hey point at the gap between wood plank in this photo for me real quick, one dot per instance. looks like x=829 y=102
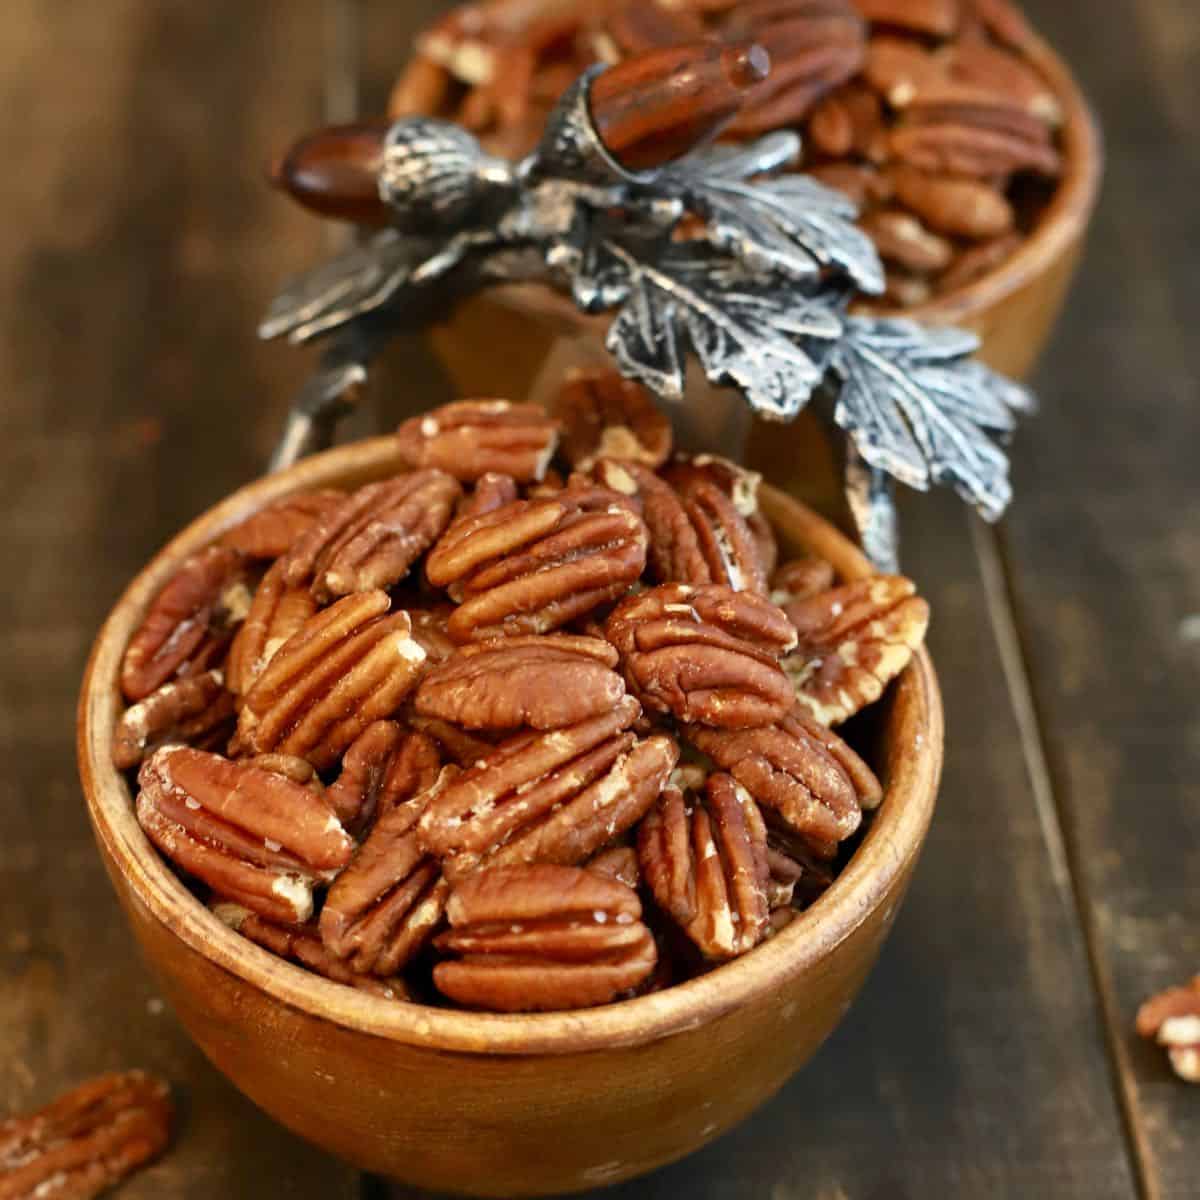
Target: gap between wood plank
x=997 y=573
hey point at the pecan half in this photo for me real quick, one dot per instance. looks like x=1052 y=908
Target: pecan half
x=1172 y=1018
x=543 y=682
x=966 y=208
x=534 y=565
x=372 y=538
x=491 y=491
x=470 y=438
x=383 y=908
x=937 y=18
x=849 y=121
x=271 y=531
x=460 y=747
x=541 y=938
x=853 y=641
x=976 y=140
x=304 y=946
x=253 y=835
x=87 y=1140
x=903 y=241
x=705 y=654
x=187 y=627
x=706 y=865
x=276 y=612
x=550 y=797
x=383 y=768
x=808 y=778
x=347 y=666
x=799 y=578
x=621 y=862
x=605 y=415
x=196 y=708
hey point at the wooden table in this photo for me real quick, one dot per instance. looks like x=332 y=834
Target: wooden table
x=991 y=1053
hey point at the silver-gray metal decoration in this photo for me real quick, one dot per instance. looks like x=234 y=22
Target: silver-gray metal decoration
x=758 y=292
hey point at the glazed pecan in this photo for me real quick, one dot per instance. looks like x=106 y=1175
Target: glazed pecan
x=959 y=207
x=253 y=835
x=87 y=1140
x=372 y=538
x=196 y=709
x=800 y=578
x=705 y=654
x=538 y=938
x=271 y=531
x=383 y=908
x=471 y=438
x=187 y=627
x=534 y=565
x=383 y=768
x=605 y=415
x=276 y=612
x=706 y=865
x=1172 y=1018
x=544 y=682
x=805 y=776
x=347 y=666
x=853 y=640
x=491 y=491
x=903 y=241
x=549 y=797
x=304 y=946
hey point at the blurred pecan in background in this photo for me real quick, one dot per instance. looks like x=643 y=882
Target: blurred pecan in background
x=87 y=1140
x=474 y=437
x=195 y=709
x=605 y=415
x=705 y=654
x=799 y=578
x=541 y=938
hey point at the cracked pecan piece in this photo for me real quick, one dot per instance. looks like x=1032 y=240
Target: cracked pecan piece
x=542 y=938
x=707 y=867
x=195 y=709
x=372 y=538
x=253 y=835
x=800 y=578
x=270 y=532
x=470 y=438
x=276 y=612
x=548 y=797
x=1172 y=1019
x=384 y=767
x=544 y=682
x=187 y=627
x=853 y=641
x=346 y=667
x=605 y=415
x=383 y=908
x=801 y=774
x=706 y=654
x=87 y=1140
x=535 y=565
x=303 y=946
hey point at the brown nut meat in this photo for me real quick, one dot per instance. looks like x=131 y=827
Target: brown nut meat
x=800 y=578
x=372 y=538
x=187 y=627
x=1172 y=1018
x=804 y=776
x=605 y=415
x=460 y=747
x=937 y=18
x=276 y=612
x=543 y=938
x=347 y=666
x=470 y=438
x=550 y=797
x=978 y=141
x=384 y=767
x=534 y=565
x=853 y=641
x=621 y=862
x=706 y=865
x=544 y=682
x=966 y=208
x=303 y=946
x=270 y=532
x=706 y=654
x=253 y=835
x=491 y=491
x=87 y=1140
x=195 y=709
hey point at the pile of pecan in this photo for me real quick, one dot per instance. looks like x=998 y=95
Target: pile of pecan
x=927 y=112
x=506 y=737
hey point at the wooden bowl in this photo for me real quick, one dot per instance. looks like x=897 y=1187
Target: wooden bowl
x=492 y=1105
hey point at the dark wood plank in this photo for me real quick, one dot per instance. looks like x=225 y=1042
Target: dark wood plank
x=139 y=246
x=1104 y=549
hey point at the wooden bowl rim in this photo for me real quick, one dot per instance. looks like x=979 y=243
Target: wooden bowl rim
x=895 y=837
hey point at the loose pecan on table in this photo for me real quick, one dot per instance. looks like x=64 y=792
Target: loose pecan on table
x=1172 y=1019
x=195 y=709
x=706 y=654
x=471 y=438
x=539 y=938
x=253 y=835
x=605 y=415
x=86 y=1141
